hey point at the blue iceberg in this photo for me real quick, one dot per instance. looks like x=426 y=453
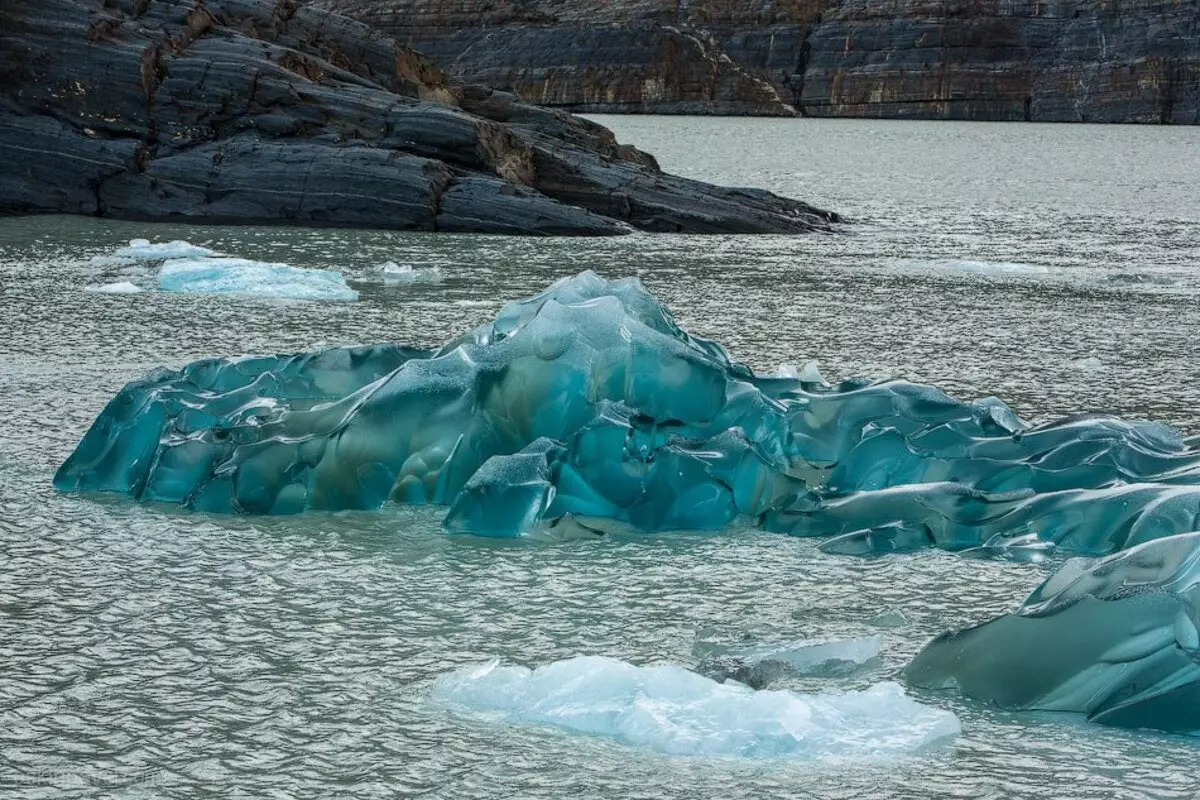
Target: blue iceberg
x=1116 y=639
x=185 y=267
x=225 y=275
x=587 y=406
x=671 y=710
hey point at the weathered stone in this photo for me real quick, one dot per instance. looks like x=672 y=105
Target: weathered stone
x=1062 y=60
x=248 y=110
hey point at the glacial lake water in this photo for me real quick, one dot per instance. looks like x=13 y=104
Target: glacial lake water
x=146 y=652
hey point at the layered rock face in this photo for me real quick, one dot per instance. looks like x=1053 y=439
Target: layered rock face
x=1043 y=60
x=257 y=111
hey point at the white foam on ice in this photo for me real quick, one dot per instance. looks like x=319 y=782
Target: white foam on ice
x=244 y=276
x=391 y=272
x=673 y=710
x=121 y=287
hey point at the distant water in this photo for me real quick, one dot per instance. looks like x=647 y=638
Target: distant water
x=146 y=652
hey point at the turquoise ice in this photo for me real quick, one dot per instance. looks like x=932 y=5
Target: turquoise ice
x=588 y=405
x=1116 y=639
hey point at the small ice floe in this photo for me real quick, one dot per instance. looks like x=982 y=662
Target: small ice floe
x=185 y=267
x=762 y=665
x=121 y=287
x=244 y=276
x=391 y=272
x=145 y=250
x=673 y=710
x=1089 y=364
x=890 y=618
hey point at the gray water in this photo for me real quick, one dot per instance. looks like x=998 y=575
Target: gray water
x=146 y=652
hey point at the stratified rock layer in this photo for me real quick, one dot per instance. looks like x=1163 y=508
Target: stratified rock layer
x=249 y=110
x=1065 y=60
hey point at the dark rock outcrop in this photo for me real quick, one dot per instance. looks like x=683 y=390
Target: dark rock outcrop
x=1042 y=60
x=258 y=111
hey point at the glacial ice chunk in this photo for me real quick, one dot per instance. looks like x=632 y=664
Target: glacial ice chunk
x=588 y=404
x=393 y=273
x=244 y=276
x=145 y=250
x=762 y=665
x=1116 y=639
x=672 y=710
x=120 y=287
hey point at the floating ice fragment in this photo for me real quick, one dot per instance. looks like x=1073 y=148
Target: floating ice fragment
x=672 y=710
x=144 y=250
x=243 y=276
x=1089 y=364
x=121 y=287
x=391 y=272
x=891 y=618
x=589 y=403
x=762 y=665
x=1115 y=639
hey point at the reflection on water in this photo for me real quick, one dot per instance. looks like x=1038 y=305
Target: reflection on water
x=146 y=653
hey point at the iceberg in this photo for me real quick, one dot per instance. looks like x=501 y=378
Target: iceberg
x=588 y=406
x=244 y=276
x=762 y=665
x=1116 y=639
x=671 y=710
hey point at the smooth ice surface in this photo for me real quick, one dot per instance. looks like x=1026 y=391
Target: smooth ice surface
x=588 y=404
x=672 y=710
x=120 y=287
x=244 y=276
x=762 y=665
x=1116 y=639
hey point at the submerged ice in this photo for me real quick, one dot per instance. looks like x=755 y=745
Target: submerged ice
x=762 y=665
x=588 y=405
x=671 y=710
x=1116 y=639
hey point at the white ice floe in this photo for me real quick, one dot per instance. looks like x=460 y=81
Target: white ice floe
x=673 y=710
x=145 y=250
x=243 y=276
x=391 y=272
x=1089 y=364
x=121 y=287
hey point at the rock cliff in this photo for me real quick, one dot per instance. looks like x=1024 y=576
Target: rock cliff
x=1043 y=60
x=270 y=111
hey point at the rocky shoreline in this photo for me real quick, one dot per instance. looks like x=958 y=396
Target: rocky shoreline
x=269 y=111
x=1058 y=61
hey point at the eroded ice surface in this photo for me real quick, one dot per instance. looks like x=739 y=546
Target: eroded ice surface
x=761 y=665
x=588 y=405
x=185 y=267
x=244 y=276
x=672 y=710
x=1116 y=639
